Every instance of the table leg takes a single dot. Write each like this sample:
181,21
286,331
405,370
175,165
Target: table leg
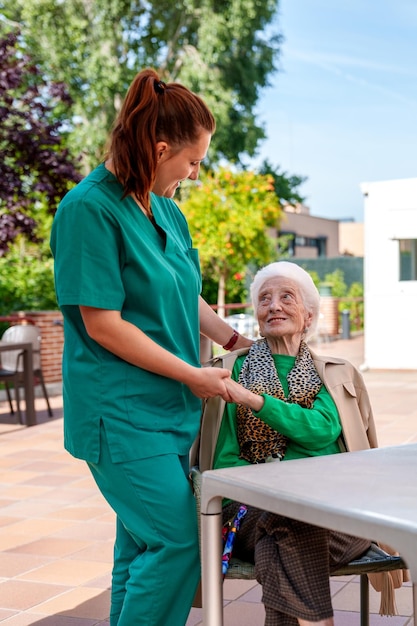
29,387
415,603
211,572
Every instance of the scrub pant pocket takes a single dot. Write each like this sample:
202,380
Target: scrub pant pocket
156,555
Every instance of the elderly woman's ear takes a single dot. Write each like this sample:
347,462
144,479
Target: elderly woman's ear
308,321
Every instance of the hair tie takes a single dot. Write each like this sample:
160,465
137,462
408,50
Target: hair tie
159,86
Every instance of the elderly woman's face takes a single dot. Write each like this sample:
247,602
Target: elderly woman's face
280,309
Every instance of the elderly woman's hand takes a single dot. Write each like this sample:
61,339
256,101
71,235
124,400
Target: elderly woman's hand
241,395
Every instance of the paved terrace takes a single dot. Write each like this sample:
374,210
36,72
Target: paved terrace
56,531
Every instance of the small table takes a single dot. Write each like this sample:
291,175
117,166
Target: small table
371,493
27,350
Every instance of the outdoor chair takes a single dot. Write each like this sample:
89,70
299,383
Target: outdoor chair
11,370
375,560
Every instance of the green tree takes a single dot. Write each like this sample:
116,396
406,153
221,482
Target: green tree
226,50
337,282
349,299
286,186
355,305
230,214
36,169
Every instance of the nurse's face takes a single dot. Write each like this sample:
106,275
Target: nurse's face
178,164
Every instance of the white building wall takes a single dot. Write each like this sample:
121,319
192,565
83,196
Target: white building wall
390,330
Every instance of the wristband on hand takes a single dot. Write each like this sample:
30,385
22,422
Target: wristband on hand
233,339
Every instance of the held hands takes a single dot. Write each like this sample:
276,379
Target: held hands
209,382
241,395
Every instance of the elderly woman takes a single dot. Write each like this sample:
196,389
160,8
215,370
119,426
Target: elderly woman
289,403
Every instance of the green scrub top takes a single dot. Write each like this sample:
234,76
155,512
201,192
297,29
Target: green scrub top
109,255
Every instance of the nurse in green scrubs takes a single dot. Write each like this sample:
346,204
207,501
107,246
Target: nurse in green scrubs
128,283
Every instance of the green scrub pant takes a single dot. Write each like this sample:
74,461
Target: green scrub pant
156,555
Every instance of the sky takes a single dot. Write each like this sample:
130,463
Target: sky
342,108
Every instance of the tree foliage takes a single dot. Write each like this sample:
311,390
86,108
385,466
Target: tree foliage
35,168
350,299
285,185
230,214
26,282
225,50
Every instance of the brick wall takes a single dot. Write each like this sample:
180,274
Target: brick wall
52,342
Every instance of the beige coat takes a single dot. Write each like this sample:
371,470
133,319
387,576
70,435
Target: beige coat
346,386
343,382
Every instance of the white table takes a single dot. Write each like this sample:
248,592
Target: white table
372,493
28,384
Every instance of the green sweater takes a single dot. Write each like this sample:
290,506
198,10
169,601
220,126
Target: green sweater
311,432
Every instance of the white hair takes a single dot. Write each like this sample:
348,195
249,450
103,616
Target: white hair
292,271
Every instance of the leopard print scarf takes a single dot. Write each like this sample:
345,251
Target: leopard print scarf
259,442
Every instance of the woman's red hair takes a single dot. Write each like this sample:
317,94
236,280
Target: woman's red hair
153,111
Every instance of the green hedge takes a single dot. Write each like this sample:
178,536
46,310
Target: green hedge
26,283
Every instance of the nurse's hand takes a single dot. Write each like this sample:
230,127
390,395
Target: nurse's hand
207,382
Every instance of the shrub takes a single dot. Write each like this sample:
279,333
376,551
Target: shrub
26,282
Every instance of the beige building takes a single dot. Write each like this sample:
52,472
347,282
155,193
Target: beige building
351,239
309,237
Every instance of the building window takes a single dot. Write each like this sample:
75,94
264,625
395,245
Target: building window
294,241
408,259
286,243
322,246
